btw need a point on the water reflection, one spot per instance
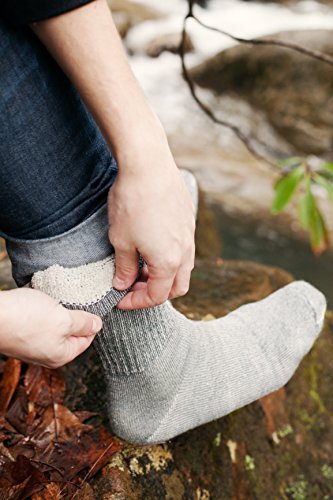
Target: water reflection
(249, 240)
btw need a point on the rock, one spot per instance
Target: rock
(6, 279)
(294, 91)
(127, 14)
(279, 447)
(168, 43)
(207, 239)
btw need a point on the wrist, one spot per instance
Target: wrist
(136, 138)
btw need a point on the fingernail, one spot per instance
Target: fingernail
(96, 325)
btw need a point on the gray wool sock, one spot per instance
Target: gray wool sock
(167, 374)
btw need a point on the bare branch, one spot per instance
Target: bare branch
(206, 109)
(314, 54)
(246, 140)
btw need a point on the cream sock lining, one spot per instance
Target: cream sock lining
(80, 285)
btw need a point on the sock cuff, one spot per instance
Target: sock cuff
(131, 341)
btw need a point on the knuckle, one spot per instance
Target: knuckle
(170, 263)
(156, 300)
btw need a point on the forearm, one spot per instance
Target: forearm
(86, 45)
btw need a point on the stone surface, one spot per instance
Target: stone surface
(127, 14)
(6, 280)
(292, 90)
(168, 43)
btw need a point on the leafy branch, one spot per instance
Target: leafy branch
(299, 175)
(296, 172)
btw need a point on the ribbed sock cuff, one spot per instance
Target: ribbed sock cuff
(131, 341)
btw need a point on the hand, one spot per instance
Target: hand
(37, 329)
(151, 213)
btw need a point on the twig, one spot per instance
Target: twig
(246, 140)
(47, 465)
(314, 54)
(54, 409)
(206, 109)
(93, 466)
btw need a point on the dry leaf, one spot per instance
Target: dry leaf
(9, 381)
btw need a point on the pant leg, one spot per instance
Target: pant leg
(55, 167)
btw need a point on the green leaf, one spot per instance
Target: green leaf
(285, 188)
(293, 161)
(325, 184)
(329, 166)
(312, 220)
(327, 174)
(306, 206)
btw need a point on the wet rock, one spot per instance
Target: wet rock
(207, 239)
(292, 90)
(168, 43)
(6, 279)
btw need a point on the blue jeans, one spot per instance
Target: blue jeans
(55, 167)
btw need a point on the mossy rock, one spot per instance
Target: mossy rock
(278, 447)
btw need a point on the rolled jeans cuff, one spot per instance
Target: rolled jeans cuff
(87, 242)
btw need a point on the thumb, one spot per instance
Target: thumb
(76, 346)
(127, 267)
(84, 324)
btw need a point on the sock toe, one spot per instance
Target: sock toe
(314, 297)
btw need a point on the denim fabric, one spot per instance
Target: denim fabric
(55, 167)
(87, 242)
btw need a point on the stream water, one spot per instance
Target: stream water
(252, 240)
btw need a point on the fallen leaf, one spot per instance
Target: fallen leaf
(44, 387)
(273, 406)
(57, 423)
(9, 381)
(88, 453)
(17, 413)
(50, 491)
(46, 451)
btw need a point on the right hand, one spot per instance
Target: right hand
(151, 214)
(37, 329)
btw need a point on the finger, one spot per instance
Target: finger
(181, 283)
(139, 285)
(127, 267)
(83, 324)
(155, 292)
